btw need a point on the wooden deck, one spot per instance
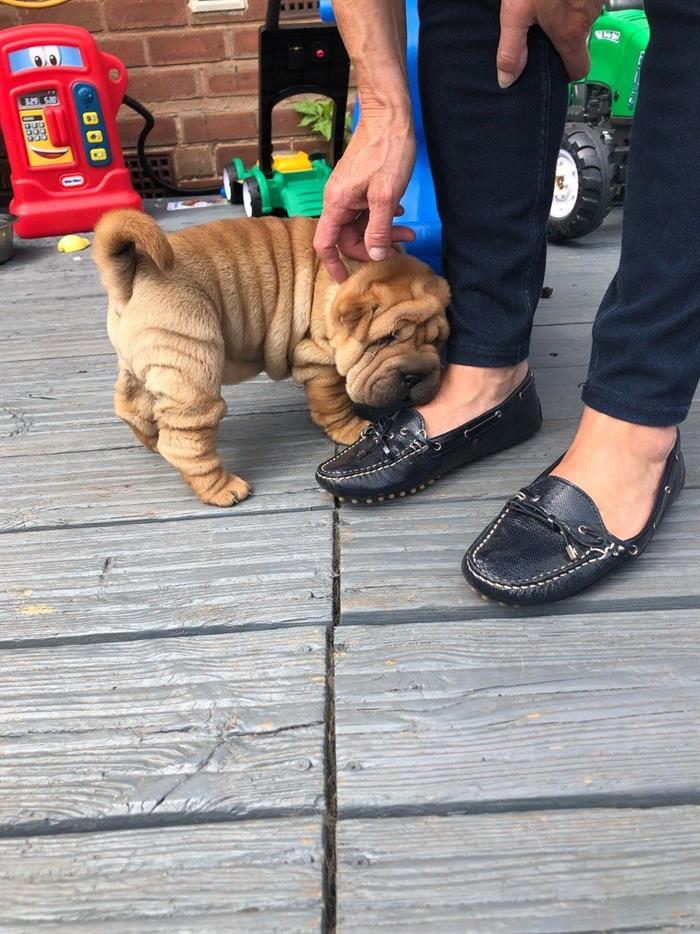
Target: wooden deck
(290, 716)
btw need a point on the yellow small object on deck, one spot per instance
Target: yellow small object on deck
(292, 162)
(72, 243)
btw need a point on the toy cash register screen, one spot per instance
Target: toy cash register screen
(38, 99)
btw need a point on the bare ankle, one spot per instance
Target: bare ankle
(652, 444)
(468, 391)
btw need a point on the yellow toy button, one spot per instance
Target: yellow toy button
(98, 155)
(292, 162)
(94, 136)
(90, 118)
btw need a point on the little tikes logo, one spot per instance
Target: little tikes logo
(609, 35)
(72, 181)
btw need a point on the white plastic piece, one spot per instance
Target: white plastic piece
(217, 6)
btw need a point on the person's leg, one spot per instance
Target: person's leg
(645, 362)
(493, 155)
(601, 504)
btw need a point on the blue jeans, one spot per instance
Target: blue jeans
(493, 155)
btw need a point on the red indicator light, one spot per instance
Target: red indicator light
(320, 53)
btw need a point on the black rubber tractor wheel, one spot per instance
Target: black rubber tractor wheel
(584, 183)
(252, 199)
(232, 187)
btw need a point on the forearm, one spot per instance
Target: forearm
(374, 32)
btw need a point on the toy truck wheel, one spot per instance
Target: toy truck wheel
(252, 199)
(584, 184)
(232, 187)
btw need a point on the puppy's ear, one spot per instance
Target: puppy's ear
(438, 288)
(352, 312)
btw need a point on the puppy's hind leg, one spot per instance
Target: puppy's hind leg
(134, 405)
(188, 408)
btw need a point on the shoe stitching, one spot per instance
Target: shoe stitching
(383, 464)
(550, 575)
(380, 465)
(492, 583)
(341, 453)
(376, 468)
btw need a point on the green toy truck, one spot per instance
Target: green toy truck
(591, 168)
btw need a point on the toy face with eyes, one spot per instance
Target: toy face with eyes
(45, 56)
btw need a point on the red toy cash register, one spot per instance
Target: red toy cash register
(59, 95)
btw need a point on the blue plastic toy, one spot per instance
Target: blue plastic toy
(419, 201)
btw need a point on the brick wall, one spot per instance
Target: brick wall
(197, 73)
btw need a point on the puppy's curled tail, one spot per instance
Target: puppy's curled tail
(121, 238)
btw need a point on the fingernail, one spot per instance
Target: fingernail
(378, 252)
(504, 79)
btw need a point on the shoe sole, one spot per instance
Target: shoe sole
(487, 599)
(385, 497)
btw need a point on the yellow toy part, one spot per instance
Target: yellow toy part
(292, 162)
(33, 4)
(72, 243)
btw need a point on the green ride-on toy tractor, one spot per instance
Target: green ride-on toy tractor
(592, 162)
(293, 59)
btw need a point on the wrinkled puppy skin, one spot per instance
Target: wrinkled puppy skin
(219, 303)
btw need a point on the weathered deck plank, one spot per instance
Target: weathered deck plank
(414, 549)
(509, 713)
(571, 872)
(275, 453)
(68, 407)
(230, 571)
(214, 726)
(257, 876)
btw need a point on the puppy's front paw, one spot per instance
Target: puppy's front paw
(228, 491)
(350, 432)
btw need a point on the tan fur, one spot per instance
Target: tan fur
(222, 302)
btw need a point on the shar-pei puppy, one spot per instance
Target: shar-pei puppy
(222, 302)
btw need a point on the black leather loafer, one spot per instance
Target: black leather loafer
(549, 541)
(394, 457)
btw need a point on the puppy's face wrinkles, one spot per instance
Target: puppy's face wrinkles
(388, 327)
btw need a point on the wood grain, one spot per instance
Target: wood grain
(253, 876)
(572, 872)
(277, 454)
(225, 725)
(231, 571)
(401, 562)
(507, 713)
(68, 406)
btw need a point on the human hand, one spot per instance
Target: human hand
(363, 193)
(566, 22)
